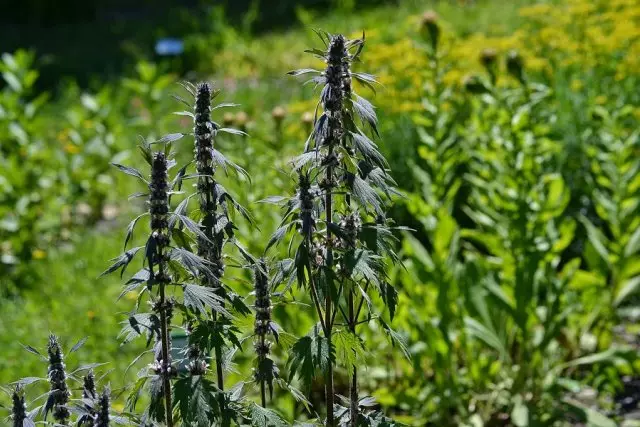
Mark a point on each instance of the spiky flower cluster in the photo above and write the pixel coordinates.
(102, 416)
(158, 199)
(59, 392)
(262, 325)
(18, 407)
(210, 243)
(350, 225)
(89, 386)
(305, 201)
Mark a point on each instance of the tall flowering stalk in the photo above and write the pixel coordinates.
(59, 393)
(215, 230)
(157, 257)
(169, 264)
(339, 212)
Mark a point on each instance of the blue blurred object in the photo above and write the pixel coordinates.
(169, 46)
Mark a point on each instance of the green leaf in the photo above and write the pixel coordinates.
(597, 239)
(633, 245)
(628, 288)
(309, 356)
(263, 417)
(483, 333)
(349, 349)
(592, 417)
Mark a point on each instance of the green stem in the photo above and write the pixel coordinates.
(353, 390)
(164, 332)
(329, 392)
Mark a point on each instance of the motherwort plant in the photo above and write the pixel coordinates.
(168, 265)
(344, 237)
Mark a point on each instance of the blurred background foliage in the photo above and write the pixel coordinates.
(519, 293)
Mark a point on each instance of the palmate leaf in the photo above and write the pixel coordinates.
(263, 417)
(365, 265)
(192, 262)
(366, 79)
(309, 356)
(349, 350)
(383, 181)
(195, 398)
(135, 281)
(122, 261)
(369, 150)
(140, 324)
(366, 112)
(366, 195)
(278, 235)
(190, 225)
(219, 159)
(201, 298)
(302, 160)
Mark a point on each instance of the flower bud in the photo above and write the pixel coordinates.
(228, 119)
(242, 119)
(515, 65)
(429, 28)
(473, 84)
(278, 114)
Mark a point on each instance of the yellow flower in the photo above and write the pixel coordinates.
(71, 148)
(38, 254)
(576, 85)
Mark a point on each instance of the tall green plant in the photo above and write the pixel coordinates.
(338, 212)
(168, 265)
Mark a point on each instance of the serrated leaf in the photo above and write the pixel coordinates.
(200, 298)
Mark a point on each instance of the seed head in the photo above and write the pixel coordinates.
(429, 28)
(203, 130)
